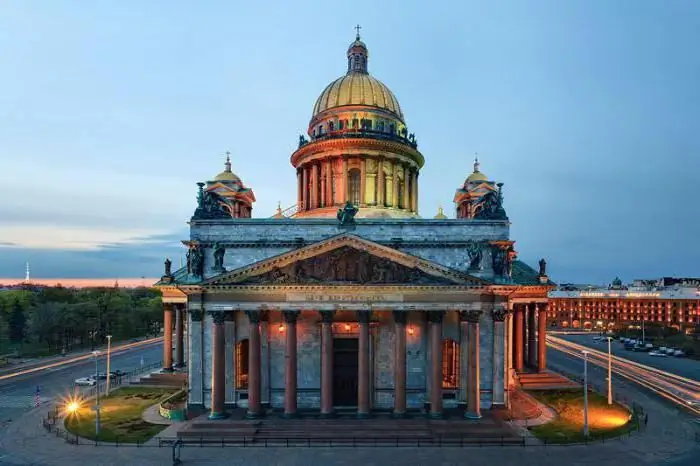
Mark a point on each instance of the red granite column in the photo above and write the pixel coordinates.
(435, 319)
(254, 405)
(518, 340)
(218, 367)
(326, 363)
(167, 337)
(473, 367)
(290, 374)
(400, 363)
(531, 335)
(363, 365)
(179, 336)
(542, 338)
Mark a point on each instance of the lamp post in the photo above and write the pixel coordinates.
(97, 397)
(109, 349)
(610, 397)
(585, 394)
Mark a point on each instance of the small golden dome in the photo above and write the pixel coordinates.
(227, 174)
(440, 215)
(476, 176)
(357, 88)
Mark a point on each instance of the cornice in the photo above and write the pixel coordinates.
(359, 143)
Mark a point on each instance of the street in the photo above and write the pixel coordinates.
(17, 394)
(685, 367)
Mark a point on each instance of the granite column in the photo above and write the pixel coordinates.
(518, 341)
(254, 362)
(218, 367)
(400, 363)
(179, 336)
(542, 338)
(363, 318)
(531, 335)
(472, 318)
(167, 337)
(290, 374)
(435, 319)
(326, 363)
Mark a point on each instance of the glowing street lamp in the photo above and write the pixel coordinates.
(610, 397)
(585, 394)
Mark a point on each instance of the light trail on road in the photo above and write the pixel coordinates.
(680, 390)
(84, 357)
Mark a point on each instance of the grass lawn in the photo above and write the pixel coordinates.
(120, 415)
(603, 421)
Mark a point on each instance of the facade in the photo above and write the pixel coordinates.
(351, 301)
(666, 302)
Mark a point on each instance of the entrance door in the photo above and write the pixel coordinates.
(345, 371)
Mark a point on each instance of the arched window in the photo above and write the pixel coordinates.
(242, 364)
(354, 193)
(450, 364)
(330, 126)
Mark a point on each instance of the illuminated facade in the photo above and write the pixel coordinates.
(618, 307)
(350, 300)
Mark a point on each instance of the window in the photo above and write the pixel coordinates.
(330, 126)
(340, 124)
(450, 364)
(354, 193)
(242, 364)
(380, 126)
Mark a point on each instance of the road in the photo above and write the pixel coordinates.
(17, 394)
(684, 367)
(669, 425)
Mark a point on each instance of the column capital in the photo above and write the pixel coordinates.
(218, 317)
(327, 316)
(471, 316)
(400, 317)
(435, 317)
(499, 314)
(363, 316)
(290, 317)
(168, 307)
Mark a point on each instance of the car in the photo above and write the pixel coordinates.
(663, 348)
(103, 376)
(117, 373)
(670, 351)
(657, 353)
(89, 381)
(679, 353)
(597, 338)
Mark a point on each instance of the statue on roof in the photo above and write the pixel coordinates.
(475, 252)
(302, 141)
(492, 206)
(168, 267)
(346, 215)
(209, 205)
(195, 261)
(219, 253)
(543, 268)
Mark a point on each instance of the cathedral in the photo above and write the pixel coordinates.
(349, 301)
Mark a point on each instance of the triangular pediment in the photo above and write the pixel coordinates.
(345, 260)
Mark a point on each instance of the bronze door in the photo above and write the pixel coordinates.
(345, 370)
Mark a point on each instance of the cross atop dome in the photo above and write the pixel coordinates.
(357, 54)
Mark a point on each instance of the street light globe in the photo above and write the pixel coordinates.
(72, 407)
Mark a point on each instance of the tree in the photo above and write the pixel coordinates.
(18, 323)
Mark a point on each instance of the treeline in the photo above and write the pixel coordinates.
(49, 320)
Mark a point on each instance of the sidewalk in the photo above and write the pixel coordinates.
(39, 362)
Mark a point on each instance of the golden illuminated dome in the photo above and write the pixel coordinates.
(357, 87)
(476, 176)
(227, 174)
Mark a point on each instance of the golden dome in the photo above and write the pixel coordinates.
(476, 176)
(227, 174)
(440, 215)
(357, 88)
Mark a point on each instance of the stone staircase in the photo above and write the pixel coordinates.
(175, 380)
(380, 431)
(544, 381)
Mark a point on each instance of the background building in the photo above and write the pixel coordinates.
(666, 302)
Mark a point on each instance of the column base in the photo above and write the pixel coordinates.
(251, 415)
(217, 416)
(472, 416)
(432, 415)
(399, 415)
(178, 367)
(329, 415)
(541, 370)
(167, 370)
(290, 415)
(363, 415)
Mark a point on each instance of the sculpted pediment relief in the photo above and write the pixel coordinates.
(346, 265)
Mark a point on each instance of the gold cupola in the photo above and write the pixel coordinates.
(238, 198)
(358, 149)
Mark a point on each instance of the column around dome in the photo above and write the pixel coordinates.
(363, 181)
(395, 186)
(406, 198)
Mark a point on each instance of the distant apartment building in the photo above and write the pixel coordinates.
(668, 301)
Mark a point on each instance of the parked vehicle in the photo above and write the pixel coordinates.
(86, 381)
(657, 354)
(679, 353)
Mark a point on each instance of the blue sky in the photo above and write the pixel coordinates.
(110, 112)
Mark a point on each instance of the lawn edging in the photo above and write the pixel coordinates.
(173, 414)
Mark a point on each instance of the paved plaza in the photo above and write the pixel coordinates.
(668, 437)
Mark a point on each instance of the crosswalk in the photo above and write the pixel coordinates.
(24, 401)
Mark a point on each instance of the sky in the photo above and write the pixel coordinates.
(588, 112)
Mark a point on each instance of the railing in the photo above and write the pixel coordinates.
(363, 133)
